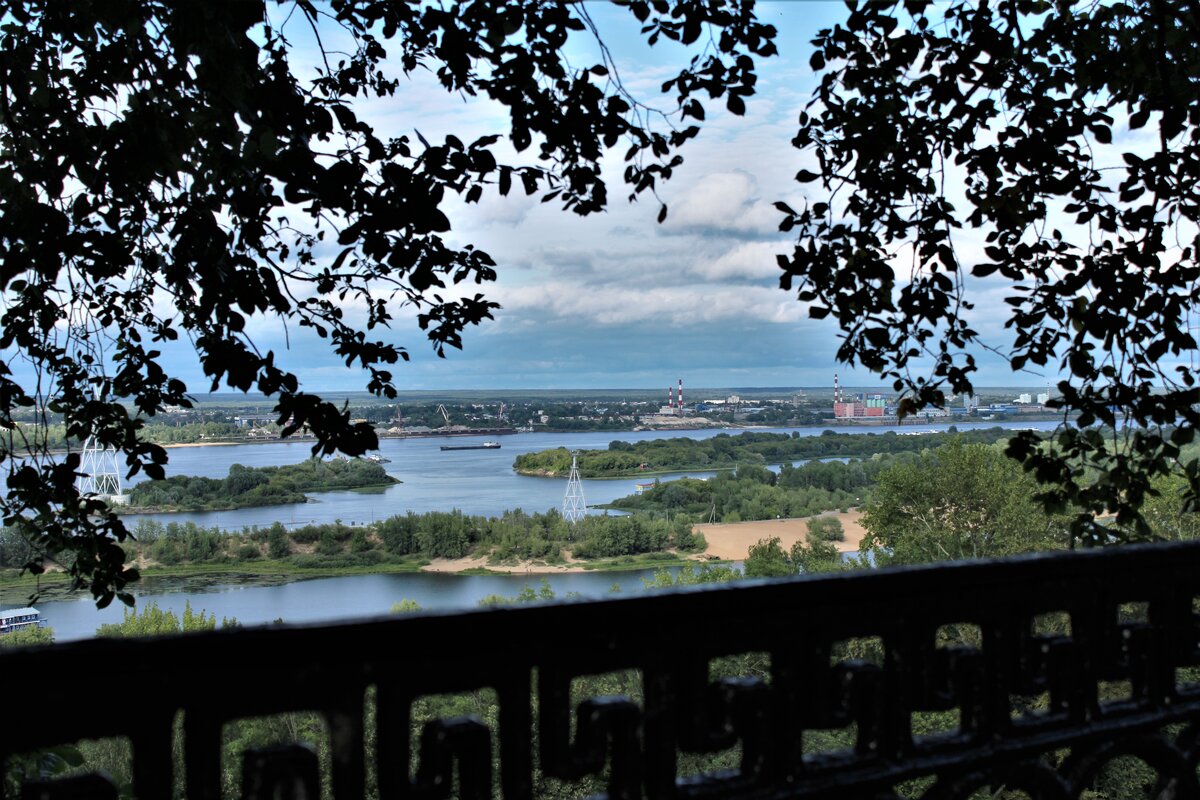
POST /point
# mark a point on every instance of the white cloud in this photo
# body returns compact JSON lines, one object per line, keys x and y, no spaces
{"x":754,"y":260}
{"x":675,"y":306}
{"x":727,"y":202}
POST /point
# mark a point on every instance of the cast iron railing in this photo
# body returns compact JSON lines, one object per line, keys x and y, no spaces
{"x":1112,"y":682}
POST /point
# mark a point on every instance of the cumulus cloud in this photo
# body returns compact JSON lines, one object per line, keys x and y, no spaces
{"x":753,"y":260}
{"x":723,"y":203}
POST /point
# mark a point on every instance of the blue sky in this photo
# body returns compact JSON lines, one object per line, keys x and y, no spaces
{"x":615,"y":299}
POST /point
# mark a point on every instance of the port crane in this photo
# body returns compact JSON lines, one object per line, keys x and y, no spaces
{"x":442,"y":410}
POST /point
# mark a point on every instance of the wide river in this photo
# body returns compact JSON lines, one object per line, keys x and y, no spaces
{"x":475,"y":481}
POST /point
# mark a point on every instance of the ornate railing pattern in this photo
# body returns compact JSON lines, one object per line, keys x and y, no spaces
{"x":528,"y":654}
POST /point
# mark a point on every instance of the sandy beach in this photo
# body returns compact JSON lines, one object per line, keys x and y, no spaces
{"x":733,"y":540}
{"x":729,"y":541}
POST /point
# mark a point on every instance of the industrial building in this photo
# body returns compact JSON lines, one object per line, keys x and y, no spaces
{"x":862,"y":406}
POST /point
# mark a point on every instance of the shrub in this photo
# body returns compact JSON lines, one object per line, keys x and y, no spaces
{"x":329,"y":544}
{"x":277,"y":543}
{"x":306,"y":535}
{"x":826,"y":529}
{"x":359,"y":542}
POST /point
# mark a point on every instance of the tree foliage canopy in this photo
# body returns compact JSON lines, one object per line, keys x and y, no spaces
{"x":956,"y":502}
{"x":166,"y":173}
{"x":1052,"y":149}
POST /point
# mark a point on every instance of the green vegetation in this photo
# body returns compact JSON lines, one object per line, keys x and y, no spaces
{"x":404,"y":543}
{"x":405,"y":606}
{"x":28,"y":637}
{"x":753,"y":492}
{"x":519,"y":536}
{"x":156,"y":432}
{"x":826,"y":529}
{"x":724,"y":451}
{"x":768,"y":559}
{"x":528,"y":594}
{"x":245,"y":487}
{"x":151,"y":620}
{"x":959,"y":501}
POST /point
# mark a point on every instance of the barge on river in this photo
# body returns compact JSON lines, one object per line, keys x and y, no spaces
{"x":484,"y":446}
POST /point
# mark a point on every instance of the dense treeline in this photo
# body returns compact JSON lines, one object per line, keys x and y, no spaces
{"x":244,"y":487}
{"x":400,"y":543}
{"x":54,"y":436}
{"x":411,"y":539}
{"x":753,"y":492}
{"x":724,"y":451}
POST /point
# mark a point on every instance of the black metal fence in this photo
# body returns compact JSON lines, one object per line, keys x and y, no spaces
{"x":1087,"y":653}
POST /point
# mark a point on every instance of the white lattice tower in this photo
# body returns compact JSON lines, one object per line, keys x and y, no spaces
{"x":574,"y":506}
{"x":98,"y":470}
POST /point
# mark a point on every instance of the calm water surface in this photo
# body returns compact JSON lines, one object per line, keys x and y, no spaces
{"x":475,"y":481}
{"x":328,"y":599}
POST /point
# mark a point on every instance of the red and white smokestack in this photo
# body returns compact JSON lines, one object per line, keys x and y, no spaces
{"x":681,"y":394}
{"x":837,"y":389}
{"x":670,"y":396}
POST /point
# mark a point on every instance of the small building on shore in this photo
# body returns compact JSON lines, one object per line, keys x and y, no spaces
{"x":16,"y":619}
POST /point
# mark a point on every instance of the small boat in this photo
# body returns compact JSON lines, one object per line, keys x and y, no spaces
{"x":375,"y":458}
{"x":484,"y":446}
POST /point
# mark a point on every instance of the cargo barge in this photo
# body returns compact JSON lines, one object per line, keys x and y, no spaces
{"x":484,"y":446}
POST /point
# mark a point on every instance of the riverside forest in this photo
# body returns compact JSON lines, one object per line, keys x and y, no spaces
{"x":723,"y":451}
{"x":248,"y":487}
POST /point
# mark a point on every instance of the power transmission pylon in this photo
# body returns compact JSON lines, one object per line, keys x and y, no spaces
{"x":98,"y":472}
{"x":574,"y":507}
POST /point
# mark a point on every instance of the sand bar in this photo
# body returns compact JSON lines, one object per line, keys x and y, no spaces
{"x":730,"y":541}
